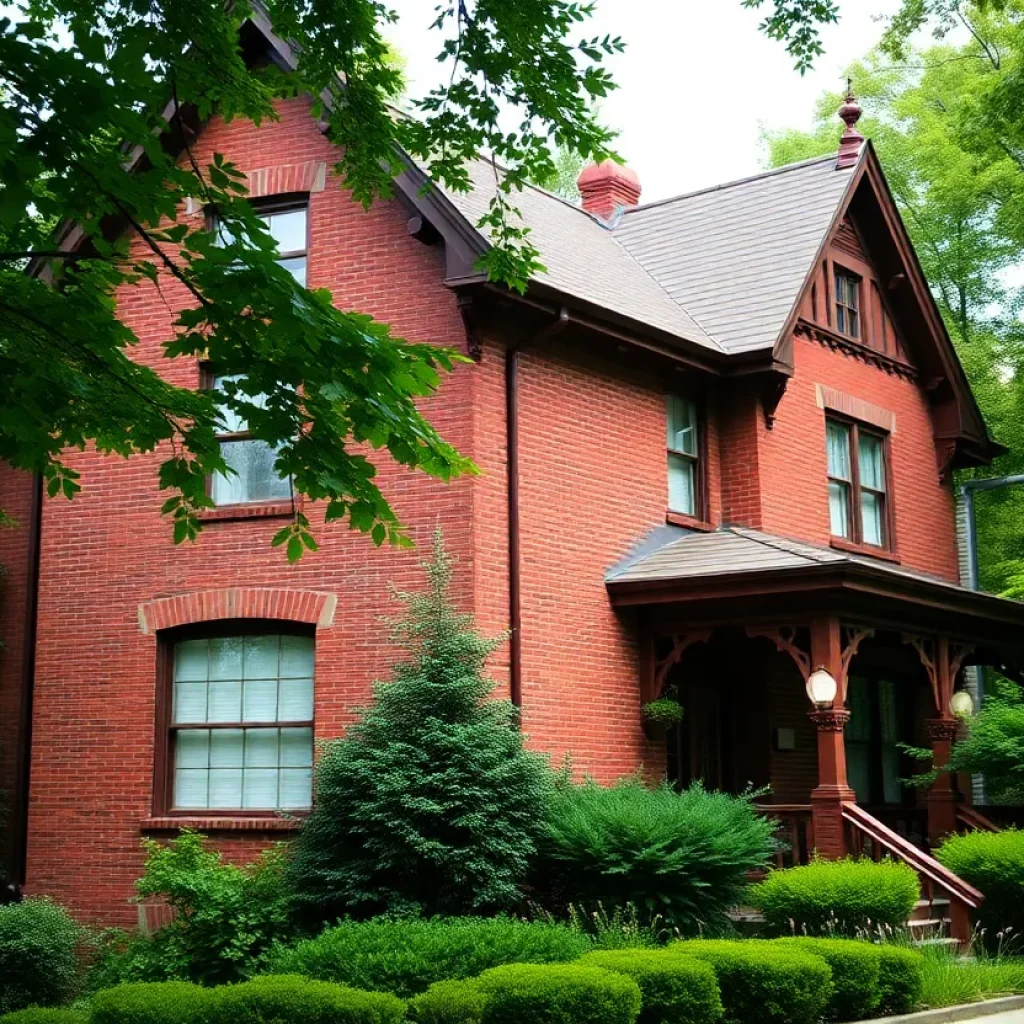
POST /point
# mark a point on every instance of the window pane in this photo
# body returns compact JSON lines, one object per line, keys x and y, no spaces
{"x":191,"y":659}
{"x":297,"y":266}
{"x":837,"y":439}
{"x":852,"y":327}
{"x":872,"y":461}
{"x":259,"y":788}
{"x":296,"y":788}
{"x":296,"y":657}
{"x":288,"y":229}
{"x":295,"y":700}
{"x":192,"y":748}
{"x":225,"y":701}
{"x":260,"y":701}
{"x":262,"y":657}
{"x":682,"y":425}
{"x":255,"y":478}
{"x":226,"y":748}
{"x":852,"y":292}
{"x":296,"y":748}
{"x":190,"y":788}
{"x":841,"y":319}
{"x":189,"y":703}
{"x":681,"y":489}
{"x":261,"y":748}
{"x":839,"y":509}
{"x":872,"y":508}
{"x":226,"y":788}
{"x":226,"y":657}
{"x":230,"y":421}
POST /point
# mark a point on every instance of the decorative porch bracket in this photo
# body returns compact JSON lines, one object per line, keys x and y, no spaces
{"x":942,"y":662}
{"x":655,"y":672}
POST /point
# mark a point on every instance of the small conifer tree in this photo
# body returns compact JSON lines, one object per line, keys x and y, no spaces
{"x":430,"y":803}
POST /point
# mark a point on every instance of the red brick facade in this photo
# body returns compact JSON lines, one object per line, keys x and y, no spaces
{"x":592,"y":483}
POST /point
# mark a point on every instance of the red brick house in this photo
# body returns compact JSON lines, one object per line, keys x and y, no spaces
{"x":716,"y":438}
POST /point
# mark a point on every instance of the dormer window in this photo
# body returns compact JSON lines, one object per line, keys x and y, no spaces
{"x":847,"y":303}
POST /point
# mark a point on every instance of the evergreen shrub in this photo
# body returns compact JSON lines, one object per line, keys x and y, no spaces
{"x":430,"y":803}
{"x":900,"y":978}
{"x":674,"y":989}
{"x":994,"y":863}
{"x":681,"y":857}
{"x":153,"y":1002}
{"x":764,"y":982}
{"x":557,"y":994}
{"x":837,"y":896}
{"x":285,"y":999}
{"x":855,"y":971}
{"x":46,"y":1015}
{"x":38,"y":955}
{"x":404,"y":956}
{"x":448,"y":1002}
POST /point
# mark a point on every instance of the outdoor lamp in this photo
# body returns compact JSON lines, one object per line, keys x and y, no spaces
{"x":961,"y":704}
{"x":822,"y":687}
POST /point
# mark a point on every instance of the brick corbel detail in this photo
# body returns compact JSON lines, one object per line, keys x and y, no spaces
{"x":312,"y":606}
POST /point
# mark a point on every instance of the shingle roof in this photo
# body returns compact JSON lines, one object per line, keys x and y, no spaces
{"x":738,"y":549}
{"x":736,"y":256}
{"x":721,"y":268}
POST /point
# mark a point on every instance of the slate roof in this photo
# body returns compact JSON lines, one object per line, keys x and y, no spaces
{"x":722,"y":267}
{"x":738,"y":549}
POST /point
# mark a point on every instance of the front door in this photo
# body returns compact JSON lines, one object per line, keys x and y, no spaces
{"x":695,"y":746}
{"x":878,"y":725}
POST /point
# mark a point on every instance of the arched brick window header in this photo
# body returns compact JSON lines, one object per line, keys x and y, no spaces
{"x":311,"y":606}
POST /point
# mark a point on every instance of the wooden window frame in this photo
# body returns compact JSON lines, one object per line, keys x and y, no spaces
{"x":283,"y":203}
{"x":163,"y":766}
{"x":699,"y":519}
{"x":854,"y":489}
{"x":841,"y":272}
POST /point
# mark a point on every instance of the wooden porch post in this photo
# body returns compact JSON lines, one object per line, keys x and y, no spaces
{"x":942,"y":796}
{"x":833,"y":789}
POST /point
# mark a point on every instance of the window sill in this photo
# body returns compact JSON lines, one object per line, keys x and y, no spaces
{"x":219,"y":823}
{"x":250,"y":510}
{"x":864,"y":549}
{"x":690,"y":522}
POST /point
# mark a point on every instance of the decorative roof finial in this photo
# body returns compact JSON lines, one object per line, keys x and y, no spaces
{"x":849,"y":144}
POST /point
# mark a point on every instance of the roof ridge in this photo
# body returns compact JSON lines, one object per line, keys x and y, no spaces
{"x":772,"y":172}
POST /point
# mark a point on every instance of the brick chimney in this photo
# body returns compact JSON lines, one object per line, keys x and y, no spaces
{"x":850,"y":143}
{"x":607,"y":187}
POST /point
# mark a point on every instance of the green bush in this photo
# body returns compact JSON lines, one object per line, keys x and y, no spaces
{"x":38,"y":955}
{"x":683,"y":857}
{"x":45,"y":1015}
{"x":448,"y":1002}
{"x":994,"y":863}
{"x":674,"y":989}
{"x":405,"y":956}
{"x":157,"y":1002}
{"x":288,"y":999}
{"x":837,"y":896}
{"x":765,"y":982}
{"x":900,"y":979}
{"x":855,"y":970}
{"x":557,"y":994}
{"x":430,"y":803}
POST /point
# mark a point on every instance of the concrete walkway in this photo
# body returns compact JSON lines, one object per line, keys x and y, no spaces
{"x":1007,"y":1017}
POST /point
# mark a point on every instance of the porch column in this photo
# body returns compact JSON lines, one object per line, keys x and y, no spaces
{"x":942,"y":797}
{"x":833,"y":789}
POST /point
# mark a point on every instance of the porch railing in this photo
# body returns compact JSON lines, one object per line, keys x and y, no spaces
{"x":795,"y":832}
{"x":972,"y":818}
{"x":868,"y":837}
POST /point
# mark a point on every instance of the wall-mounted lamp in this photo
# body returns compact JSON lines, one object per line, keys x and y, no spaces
{"x":822,"y":688}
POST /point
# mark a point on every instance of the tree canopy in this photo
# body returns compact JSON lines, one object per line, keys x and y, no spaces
{"x":959,"y":183}
{"x":87,"y":88}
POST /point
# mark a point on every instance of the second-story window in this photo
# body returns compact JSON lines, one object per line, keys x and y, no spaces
{"x":857,"y":491}
{"x":847,"y":303}
{"x":286,"y":223}
{"x":255,"y":478}
{"x":683,"y":455}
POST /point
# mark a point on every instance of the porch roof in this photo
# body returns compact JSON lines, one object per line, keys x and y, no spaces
{"x":736,"y":562}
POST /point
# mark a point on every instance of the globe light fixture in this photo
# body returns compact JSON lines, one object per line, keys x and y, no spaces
{"x":822,"y":688}
{"x":961,"y":704}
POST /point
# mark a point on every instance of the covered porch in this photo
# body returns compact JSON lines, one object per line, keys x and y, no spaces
{"x":734,"y":623}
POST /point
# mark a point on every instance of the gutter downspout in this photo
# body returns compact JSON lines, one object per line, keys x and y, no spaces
{"x":515,"y":611}
{"x":19,"y":856}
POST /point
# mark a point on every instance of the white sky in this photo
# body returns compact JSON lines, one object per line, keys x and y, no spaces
{"x":696,"y":83}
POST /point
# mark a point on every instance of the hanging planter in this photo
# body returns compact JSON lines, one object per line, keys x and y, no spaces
{"x":661,"y":715}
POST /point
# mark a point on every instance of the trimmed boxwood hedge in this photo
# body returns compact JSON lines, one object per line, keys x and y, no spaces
{"x":675,"y":989}
{"x":45,"y":1015}
{"x":405,"y":956}
{"x":764,"y":982}
{"x":855,"y":969}
{"x":837,"y":895}
{"x":448,"y":1002}
{"x":151,"y":1002}
{"x":558,"y":994}
{"x":900,"y":979}
{"x":289,"y":999}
